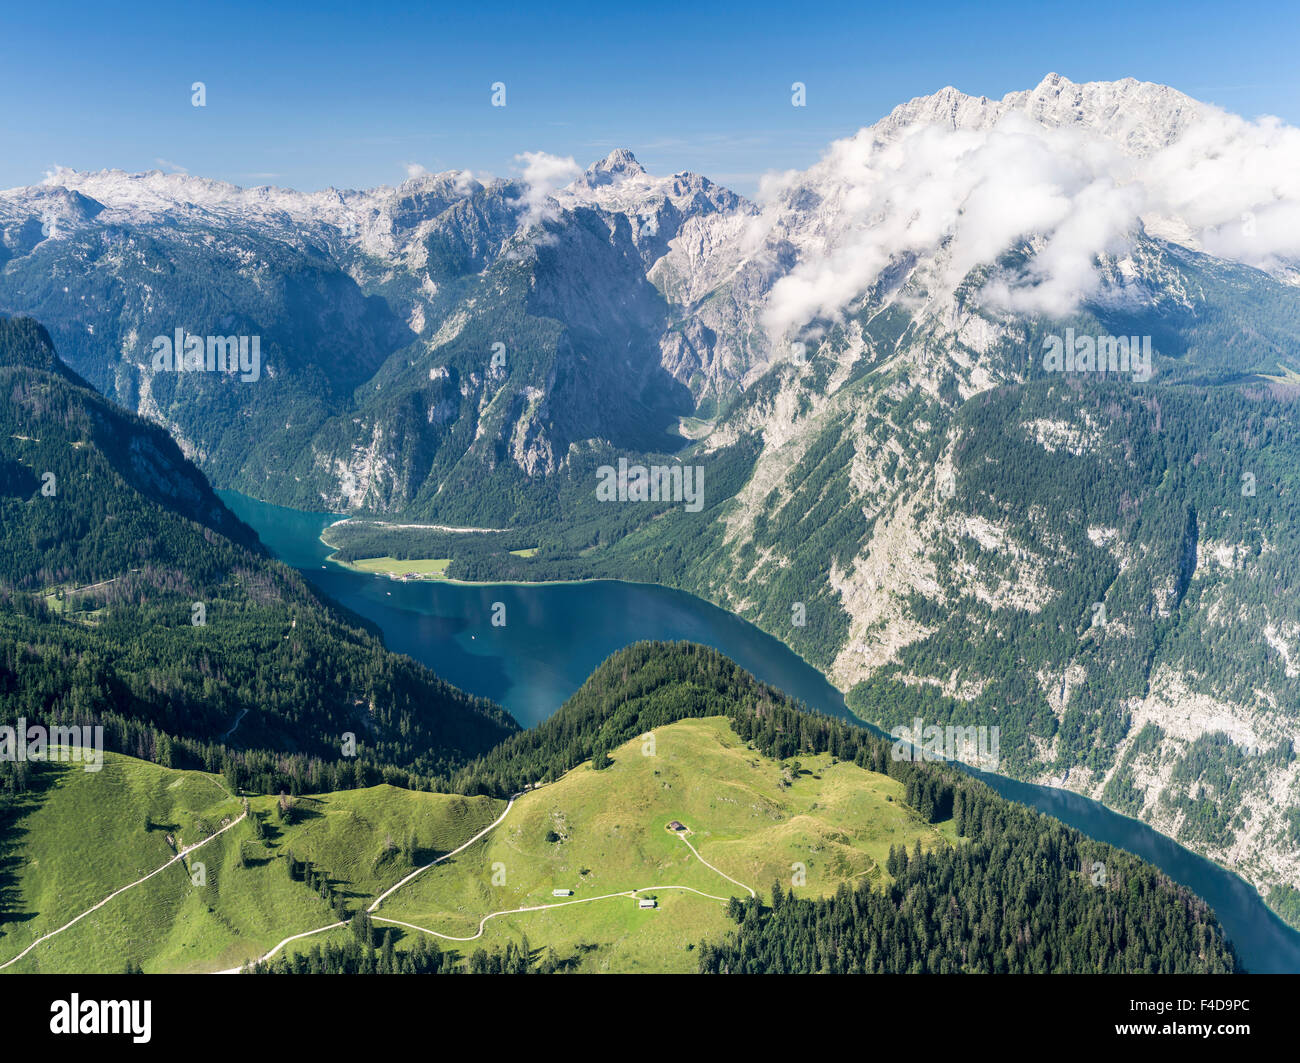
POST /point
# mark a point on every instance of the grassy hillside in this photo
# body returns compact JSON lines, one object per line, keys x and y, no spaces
{"x":84,"y":835}
{"x":602,"y":832}
{"x":773,"y":799}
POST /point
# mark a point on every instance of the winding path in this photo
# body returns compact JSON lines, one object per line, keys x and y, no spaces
{"x":380,"y":899}
{"x":179,"y":856}
{"x":295,"y":937}
{"x":392,"y":889}
{"x":714,"y":869}
{"x":506,"y":911}
{"x":446,"y":856}
{"x":544,"y":907}
{"x":235,"y":726}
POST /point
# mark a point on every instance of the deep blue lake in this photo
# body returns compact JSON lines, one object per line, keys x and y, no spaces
{"x":556,"y":634}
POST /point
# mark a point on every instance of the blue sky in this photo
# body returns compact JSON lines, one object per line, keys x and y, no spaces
{"x":312,"y":95}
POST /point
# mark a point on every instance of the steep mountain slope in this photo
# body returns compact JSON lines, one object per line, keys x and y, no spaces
{"x":452,"y":333}
{"x":1067,"y":557}
{"x":130,"y":597}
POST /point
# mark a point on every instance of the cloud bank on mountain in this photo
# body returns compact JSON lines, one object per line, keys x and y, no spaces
{"x":964,"y":193}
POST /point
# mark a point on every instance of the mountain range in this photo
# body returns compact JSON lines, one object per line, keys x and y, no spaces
{"x":898,"y":484}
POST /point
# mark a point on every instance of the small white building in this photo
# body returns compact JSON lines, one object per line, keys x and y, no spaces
{"x":646,"y":902}
{"x":561,"y":893}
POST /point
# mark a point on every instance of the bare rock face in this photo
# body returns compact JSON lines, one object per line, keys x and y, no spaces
{"x":1138,"y":116}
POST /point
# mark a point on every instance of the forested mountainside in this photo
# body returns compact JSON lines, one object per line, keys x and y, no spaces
{"x":931,"y":919}
{"x":130,"y":597}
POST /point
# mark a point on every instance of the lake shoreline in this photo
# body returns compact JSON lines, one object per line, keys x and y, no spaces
{"x":447,"y":581}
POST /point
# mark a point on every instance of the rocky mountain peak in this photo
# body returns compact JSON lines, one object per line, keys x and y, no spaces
{"x":618,"y":163}
{"x":1138,"y":116}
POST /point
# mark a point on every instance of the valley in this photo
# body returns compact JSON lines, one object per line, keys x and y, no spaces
{"x":985,"y":419}
{"x":532,"y":670}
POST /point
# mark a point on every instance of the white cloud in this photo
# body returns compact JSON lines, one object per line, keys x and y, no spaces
{"x":962,"y":198}
{"x":542,"y":175}
{"x":464,"y":181}
{"x":1237,"y":186}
